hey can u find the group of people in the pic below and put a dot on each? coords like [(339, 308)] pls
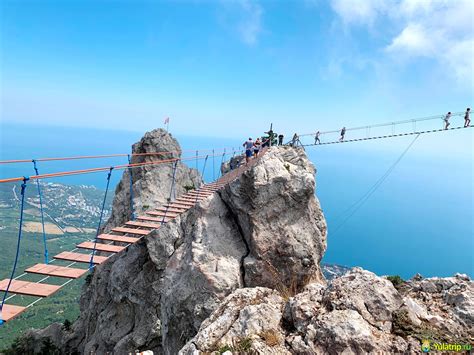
[(467, 119), (252, 148)]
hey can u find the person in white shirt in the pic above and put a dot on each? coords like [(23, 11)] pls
[(446, 120)]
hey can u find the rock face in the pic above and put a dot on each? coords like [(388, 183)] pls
[(266, 228), (151, 182), (240, 273), (358, 312)]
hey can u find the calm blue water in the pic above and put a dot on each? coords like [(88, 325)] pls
[(419, 220)]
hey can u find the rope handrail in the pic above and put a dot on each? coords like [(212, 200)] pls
[(94, 170), (385, 124), (79, 157), (385, 136)]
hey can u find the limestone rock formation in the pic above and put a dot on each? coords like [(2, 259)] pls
[(151, 182), (355, 313), (264, 229), (240, 272)]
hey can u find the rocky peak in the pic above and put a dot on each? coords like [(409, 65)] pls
[(151, 183)]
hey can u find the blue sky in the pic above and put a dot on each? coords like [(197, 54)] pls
[(224, 67)]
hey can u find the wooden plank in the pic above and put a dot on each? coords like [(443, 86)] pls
[(171, 210), (101, 247), (131, 230), (80, 258), (163, 214), (191, 199), (57, 271), (177, 208), (199, 194), (117, 238), (155, 219), (182, 203), (10, 311), (143, 224), (29, 288)]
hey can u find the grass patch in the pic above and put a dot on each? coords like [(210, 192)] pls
[(240, 346), (270, 337)]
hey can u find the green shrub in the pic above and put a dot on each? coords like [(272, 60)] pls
[(67, 325), (189, 187), (396, 280)]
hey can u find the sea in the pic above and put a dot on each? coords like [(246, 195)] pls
[(419, 219)]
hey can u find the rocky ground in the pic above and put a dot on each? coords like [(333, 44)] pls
[(241, 273)]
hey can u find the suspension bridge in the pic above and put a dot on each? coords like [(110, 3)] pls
[(73, 264)]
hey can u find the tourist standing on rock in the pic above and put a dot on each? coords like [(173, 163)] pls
[(343, 133), (446, 120), (256, 147), (248, 149), (280, 139), (294, 140), (467, 120), (316, 138)]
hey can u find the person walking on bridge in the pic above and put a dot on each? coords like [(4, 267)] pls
[(446, 120), (316, 138), (343, 133), (467, 119), (248, 144)]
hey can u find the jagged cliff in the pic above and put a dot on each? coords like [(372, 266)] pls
[(241, 272), (151, 183)]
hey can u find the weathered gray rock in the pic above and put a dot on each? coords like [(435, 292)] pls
[(351, 315), (156, 294), (251, 316), (280, 219), (151, 182), (374, 298)]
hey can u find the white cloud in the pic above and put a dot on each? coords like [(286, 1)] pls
[(438, 29), (363, 12), (413, 39), (244, 18), (250, 25)]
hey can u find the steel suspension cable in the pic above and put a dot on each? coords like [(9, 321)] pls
[(91, 263), (130, 174), (171, 192), (202, 174), (46, 254), (17, 255), (358, 204)]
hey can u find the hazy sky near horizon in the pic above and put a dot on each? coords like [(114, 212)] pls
[(227, 67)]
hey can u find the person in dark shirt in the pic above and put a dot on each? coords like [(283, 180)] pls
[(467, 119), (316, 138), (256, 147), (343, 133), (280, 139)]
